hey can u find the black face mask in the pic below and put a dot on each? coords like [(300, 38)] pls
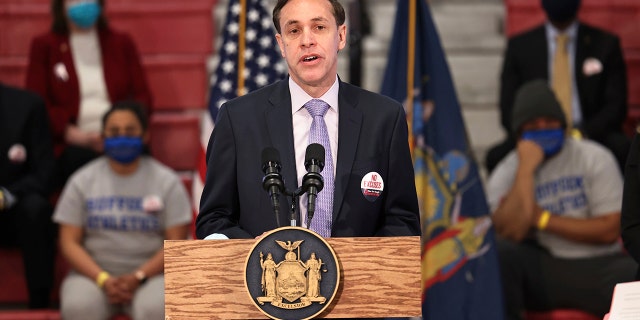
[(561, 10)]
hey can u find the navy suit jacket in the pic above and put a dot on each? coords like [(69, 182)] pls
[(24, 123), (630, 213), (603, 96), (372, 138)]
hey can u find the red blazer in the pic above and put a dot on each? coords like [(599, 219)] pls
[(123, 73)]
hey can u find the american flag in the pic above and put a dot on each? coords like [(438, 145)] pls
[(261, 64)]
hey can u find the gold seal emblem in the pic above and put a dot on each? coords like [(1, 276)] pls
[(295, 271)]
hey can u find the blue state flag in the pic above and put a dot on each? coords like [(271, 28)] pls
[(460, 272)]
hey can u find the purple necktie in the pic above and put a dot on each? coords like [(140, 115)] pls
[(321, 223)]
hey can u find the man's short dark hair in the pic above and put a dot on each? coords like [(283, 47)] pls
[(338, 12)]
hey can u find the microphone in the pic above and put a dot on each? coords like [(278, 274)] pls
[(272, 181), (312, 181)]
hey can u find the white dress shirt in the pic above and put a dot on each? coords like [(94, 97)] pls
[(301, 125)]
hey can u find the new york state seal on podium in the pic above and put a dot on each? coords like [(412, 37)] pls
[(292, 273)]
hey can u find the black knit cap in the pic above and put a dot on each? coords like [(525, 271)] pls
[(533, 100)]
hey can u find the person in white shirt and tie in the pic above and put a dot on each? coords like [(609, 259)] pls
[(364, 136)]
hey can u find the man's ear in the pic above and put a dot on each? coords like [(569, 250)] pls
[(342, 36)]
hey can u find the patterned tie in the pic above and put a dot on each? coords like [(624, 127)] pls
[(561, 81), (321, 223)]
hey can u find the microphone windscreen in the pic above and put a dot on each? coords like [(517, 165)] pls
[(270, 154), (314, 151)]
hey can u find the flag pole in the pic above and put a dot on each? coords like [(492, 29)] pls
[(242, 17), (411, 49)]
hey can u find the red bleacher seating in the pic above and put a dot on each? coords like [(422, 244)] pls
[(174, 38), (618, 16), (165, 26), (13, 288), (177, 82), (12, 71), (43, 315), (561, 314), (157, 26), (175, 139), (19, 22), (30, 315)]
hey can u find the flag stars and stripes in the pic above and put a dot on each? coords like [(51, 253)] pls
[(228, 66), (265, 42), (225, 86), (253, 16), (231, 48), (233, 28), (266, 23), (263, 61), (262, 79), (267, 68), (220, 102), (235, 8), (248, 54), (251, 35)]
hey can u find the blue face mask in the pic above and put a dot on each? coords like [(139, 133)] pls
[(84, 14), (550, 140), (123, 149)]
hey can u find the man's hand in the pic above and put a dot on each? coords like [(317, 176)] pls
[(7, 200), (120, 289), (74, 136), (261, 235), (530, 155)]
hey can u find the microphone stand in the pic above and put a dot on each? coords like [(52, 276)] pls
[(294, 207), (295, 211)]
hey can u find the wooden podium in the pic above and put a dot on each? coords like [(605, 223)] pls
[(380, 277)]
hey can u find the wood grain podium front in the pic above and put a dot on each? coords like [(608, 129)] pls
[(380, 277)]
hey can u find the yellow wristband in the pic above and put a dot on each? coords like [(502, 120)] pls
[(102, 278), (543, 221)]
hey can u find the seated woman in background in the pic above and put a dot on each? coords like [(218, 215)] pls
[(114, 214), (80, 67)]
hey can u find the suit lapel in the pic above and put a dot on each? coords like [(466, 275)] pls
[(582, 50), (63, 52), (349, 123), (539, 58), (279, 124)]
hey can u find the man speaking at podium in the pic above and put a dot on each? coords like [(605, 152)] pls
[(368, 187)]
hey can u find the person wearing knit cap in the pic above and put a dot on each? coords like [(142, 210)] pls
[(556, 209), (589, 77)]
